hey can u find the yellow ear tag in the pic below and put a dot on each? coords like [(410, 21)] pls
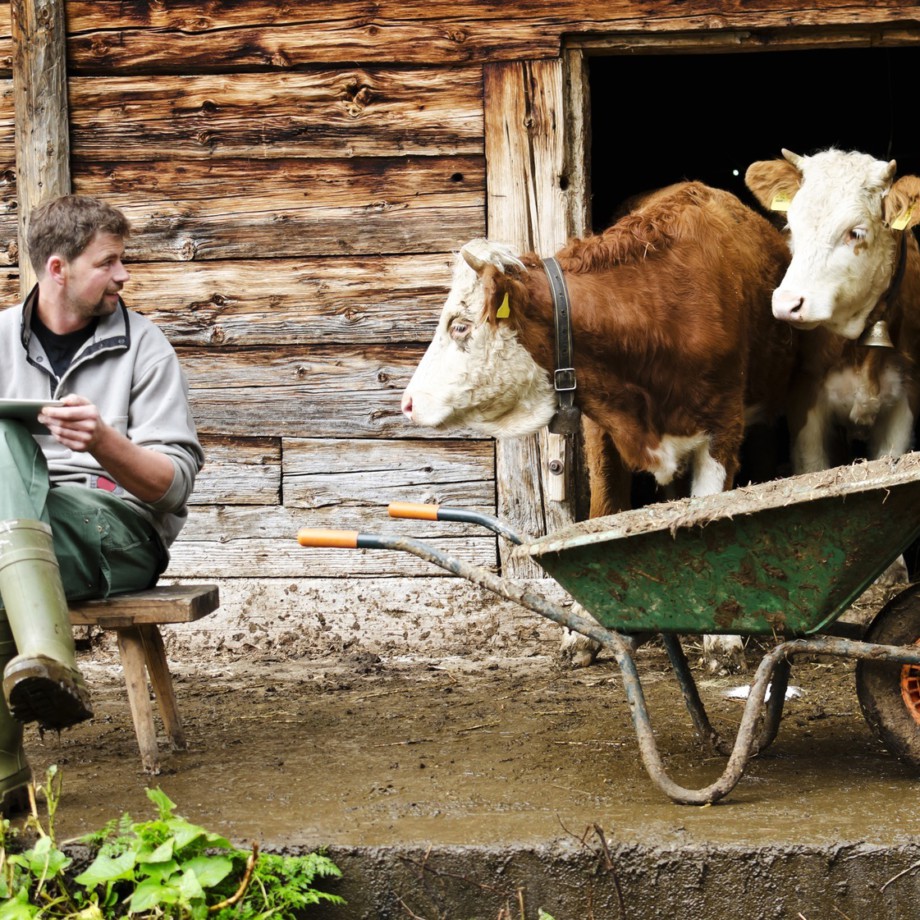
[(504, 310), (903, 220), (780, 202)]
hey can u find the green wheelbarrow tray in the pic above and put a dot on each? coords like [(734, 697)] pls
[(780, 558)]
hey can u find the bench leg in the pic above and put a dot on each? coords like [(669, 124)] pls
[(162, 683), (131, 647)]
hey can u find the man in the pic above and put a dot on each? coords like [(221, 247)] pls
[(90, 504)]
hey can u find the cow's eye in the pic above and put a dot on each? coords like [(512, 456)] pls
[(459, 329), (857, 234)]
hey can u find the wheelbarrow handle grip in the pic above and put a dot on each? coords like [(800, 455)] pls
[(321, 536), (415, 510)]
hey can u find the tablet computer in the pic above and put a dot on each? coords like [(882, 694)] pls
[(26, 410)]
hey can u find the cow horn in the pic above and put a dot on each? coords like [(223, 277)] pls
[(473, 261), (793, 158)]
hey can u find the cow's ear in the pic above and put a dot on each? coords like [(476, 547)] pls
[(902, 203), (773, 182), (498, 299)]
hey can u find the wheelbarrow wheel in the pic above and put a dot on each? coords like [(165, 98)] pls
[(889, 693)]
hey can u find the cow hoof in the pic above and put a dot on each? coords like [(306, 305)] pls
[(578, 651), (723, 654)]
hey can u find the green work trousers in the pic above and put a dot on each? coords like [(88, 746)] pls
[(102, 545)]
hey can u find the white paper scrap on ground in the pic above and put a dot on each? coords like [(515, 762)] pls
[(743, 692)]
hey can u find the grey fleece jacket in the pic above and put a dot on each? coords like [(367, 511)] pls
[(129, 369)]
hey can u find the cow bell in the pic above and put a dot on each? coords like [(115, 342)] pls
[(876, 336)]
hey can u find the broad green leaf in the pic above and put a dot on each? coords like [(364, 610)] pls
[(162, 872), (163, 853), (190, 887), (18, 907), (150, 895), (164, 804), (210, 870), (107, 869), (47, 860)]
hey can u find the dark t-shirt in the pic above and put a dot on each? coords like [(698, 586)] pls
[(61, 348)]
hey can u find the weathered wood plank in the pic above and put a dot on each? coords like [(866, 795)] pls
[(236, 523), (246, 542), (40, 103), (139, 37), (285, 558), (343, 478), (6, 41), (200, 209), (239, 471), (339, 113), (528, 205), (9, 286), (336, 391), (374, 299), (9, 203)]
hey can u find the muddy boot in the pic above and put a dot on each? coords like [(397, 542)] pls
[(15, 774), (42, 683)]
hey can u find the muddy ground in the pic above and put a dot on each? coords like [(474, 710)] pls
[(491, 787)]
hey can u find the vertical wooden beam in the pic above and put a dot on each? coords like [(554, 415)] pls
[(42, 118), (533, 204)]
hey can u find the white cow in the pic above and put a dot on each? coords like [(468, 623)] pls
[(855, 260)]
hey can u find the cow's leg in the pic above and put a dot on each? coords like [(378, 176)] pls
[(609, 480), (811, 433), (893, 432), (610, 484), (711, 476)]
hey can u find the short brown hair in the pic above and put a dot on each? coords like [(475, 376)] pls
[(66, 226)]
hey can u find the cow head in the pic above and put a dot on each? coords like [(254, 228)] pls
[(845, 214), (476, 373)]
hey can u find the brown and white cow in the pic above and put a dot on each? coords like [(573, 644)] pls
[(675, 347), (855, 261)]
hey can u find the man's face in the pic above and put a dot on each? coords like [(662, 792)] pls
[(96, 276)]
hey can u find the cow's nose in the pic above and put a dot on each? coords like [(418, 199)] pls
[(788, 307), (407, 405)]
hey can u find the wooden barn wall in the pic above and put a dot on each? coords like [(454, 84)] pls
[(298, 176)]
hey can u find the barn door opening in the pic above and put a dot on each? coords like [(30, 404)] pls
[(709, 115)]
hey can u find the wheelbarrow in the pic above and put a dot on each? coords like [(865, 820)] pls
[(781, 560)]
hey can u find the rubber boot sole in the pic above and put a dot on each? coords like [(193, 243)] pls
[(45, 691)]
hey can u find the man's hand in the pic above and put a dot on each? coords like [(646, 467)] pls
[(77, 424)]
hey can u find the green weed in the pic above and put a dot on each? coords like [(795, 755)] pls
[(165, 868)]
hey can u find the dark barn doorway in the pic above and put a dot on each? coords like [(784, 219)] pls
[(660, 118)]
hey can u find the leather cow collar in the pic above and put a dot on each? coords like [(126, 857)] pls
[(566, 419)]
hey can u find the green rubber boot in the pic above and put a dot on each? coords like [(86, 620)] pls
[(15, 774), (42, 683)]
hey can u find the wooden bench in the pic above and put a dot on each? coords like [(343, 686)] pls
[(136, 619)]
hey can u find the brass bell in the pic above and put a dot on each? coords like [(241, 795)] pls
[(876, 336)]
